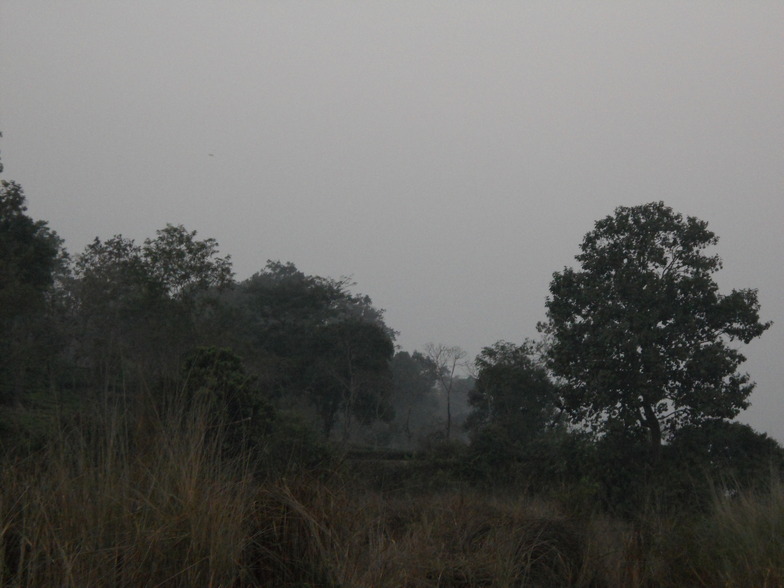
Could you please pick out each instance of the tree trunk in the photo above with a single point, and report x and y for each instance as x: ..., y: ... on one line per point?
x: 654, y: 431
x: 449, y: 412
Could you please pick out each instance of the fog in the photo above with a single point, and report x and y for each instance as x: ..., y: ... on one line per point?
x: 448, y: 156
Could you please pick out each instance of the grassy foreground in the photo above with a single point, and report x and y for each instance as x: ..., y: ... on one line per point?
x: 149, y: 500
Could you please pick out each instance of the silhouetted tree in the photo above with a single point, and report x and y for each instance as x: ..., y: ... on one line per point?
x: 184, y: 265
x: 414, y: 377
x: 640, y: 335
x: 30, y: 255
x: 351, y: 374
x: 447, y: 359
x: 313, y: 339
x: 512, y: 392
x: 136, y: 306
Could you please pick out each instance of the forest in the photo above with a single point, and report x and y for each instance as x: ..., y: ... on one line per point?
x: 164, y: 423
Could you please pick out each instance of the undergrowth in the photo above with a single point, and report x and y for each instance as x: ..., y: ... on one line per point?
x: 150, y: 498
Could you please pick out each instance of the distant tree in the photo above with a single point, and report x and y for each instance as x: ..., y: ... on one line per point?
x: 351, y: 374
x: 640, y: 335
x: 135, y: 305
x: 313, y: 339
x: 461, y: 388
x: 446, y: 359
x: 281, y: 306
x: 184, y: 265
x: 513, y: 392
x: 121, y: 315
x: 414, y: 377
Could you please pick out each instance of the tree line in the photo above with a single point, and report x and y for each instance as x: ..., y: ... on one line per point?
x: 120, y: 317
x: 636, y: 369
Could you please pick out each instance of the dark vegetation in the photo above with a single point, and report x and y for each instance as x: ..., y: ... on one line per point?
x: 164, y: 424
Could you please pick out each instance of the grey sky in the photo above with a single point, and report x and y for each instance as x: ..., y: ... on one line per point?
x: 449, y: 155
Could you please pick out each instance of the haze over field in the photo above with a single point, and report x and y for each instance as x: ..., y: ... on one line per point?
x: 449, y: 156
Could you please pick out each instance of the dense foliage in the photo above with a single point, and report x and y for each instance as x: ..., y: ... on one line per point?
x: 125, y: 320
x: 638, y: 346
x: 30, y: 256
x: 166, y: 424
x: 640, y: 335
x: 512, y: 393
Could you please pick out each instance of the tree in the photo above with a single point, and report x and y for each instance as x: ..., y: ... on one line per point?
x: 29, y: 252
x: 30, y: 256
x: 513, y: 423
x: 446, y: 360
x: 313, y: 340
x: 413, y: 381
x: 726, y: 452
x: 640, y: 335
x: 351, y: 374
x: 115, y: 302
x: 184, y: 265
x: 216, y: 378
x: 512, y: 393
x: 136, y: 306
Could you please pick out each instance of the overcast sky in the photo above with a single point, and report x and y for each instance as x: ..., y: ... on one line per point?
x: 449, y: 156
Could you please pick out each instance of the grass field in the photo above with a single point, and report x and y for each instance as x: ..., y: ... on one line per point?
x: 150, y: 500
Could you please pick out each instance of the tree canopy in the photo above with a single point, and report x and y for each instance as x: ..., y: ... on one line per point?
x: 512, y: 392
x: 136, y: 304
x: 640, y: 335
x: 184, y: 265
x: 313, y: 339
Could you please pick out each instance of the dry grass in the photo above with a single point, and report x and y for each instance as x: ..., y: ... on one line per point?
x: 741, y: 543
x: 150, y: 500
x: 454, y: 539
x: 102, y: 507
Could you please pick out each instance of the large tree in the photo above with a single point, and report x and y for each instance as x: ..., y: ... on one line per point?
x: 640, y: 334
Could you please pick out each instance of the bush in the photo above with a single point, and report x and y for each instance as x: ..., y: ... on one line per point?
x: 292, y: 445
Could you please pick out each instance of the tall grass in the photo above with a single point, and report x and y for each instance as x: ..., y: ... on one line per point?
x: 126, y: 500
x: 147, y: 496
x: 741, y: 543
